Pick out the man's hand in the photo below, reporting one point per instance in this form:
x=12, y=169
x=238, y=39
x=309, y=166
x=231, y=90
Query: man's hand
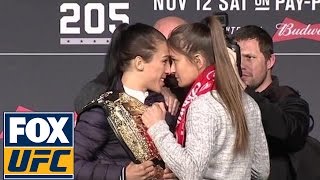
x=170, y=100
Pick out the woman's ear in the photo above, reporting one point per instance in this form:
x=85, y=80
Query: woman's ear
x=139, y=63
x=200, y=61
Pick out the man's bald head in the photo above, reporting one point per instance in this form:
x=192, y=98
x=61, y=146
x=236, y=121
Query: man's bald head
x=167, y=24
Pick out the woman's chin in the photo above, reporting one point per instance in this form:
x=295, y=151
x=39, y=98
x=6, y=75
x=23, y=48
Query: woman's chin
x=156, y=89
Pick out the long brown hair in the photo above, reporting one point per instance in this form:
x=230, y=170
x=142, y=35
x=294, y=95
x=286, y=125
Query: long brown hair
x=208, y=39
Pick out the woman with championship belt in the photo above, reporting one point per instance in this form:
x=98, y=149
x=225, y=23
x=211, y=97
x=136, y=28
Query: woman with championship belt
x=111, y=142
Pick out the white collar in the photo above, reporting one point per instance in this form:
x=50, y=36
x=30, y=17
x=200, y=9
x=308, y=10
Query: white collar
x=140, y=95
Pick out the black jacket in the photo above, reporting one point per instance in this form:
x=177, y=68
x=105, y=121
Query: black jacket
x=89, y=91
x=285, y=117
x=98, y=153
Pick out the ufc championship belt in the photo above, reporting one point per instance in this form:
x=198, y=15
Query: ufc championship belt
x=124, y=116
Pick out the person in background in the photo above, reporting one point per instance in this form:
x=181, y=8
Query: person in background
x=138, y=62
x=285, y=115
x=167, y=24
x=219, y=132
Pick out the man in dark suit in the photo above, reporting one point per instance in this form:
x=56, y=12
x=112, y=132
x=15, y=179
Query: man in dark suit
x=285, y=115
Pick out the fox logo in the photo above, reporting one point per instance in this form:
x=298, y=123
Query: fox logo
x=38, y=145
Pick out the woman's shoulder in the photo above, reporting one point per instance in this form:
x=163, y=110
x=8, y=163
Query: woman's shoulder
x=88, y=92
x=213, y=102
x=249, y=102
x=92, y=116
x=208, y=101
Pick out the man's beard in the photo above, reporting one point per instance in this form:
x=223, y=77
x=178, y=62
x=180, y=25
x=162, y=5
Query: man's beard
x=256, y=85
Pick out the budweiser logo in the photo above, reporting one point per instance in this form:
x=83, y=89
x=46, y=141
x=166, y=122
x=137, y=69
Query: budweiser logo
x=291, y=29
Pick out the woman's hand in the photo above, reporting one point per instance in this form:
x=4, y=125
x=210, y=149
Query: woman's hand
x=141, y=171
x=169, y=175
x=170, y=100
x=153, y=114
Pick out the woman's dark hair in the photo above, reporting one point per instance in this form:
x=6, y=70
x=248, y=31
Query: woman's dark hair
x=128, y=42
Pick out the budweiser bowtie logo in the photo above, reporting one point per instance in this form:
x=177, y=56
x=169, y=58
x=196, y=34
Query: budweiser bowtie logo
x=291, y=29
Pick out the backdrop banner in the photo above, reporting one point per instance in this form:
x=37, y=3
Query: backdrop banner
x=50, y=49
